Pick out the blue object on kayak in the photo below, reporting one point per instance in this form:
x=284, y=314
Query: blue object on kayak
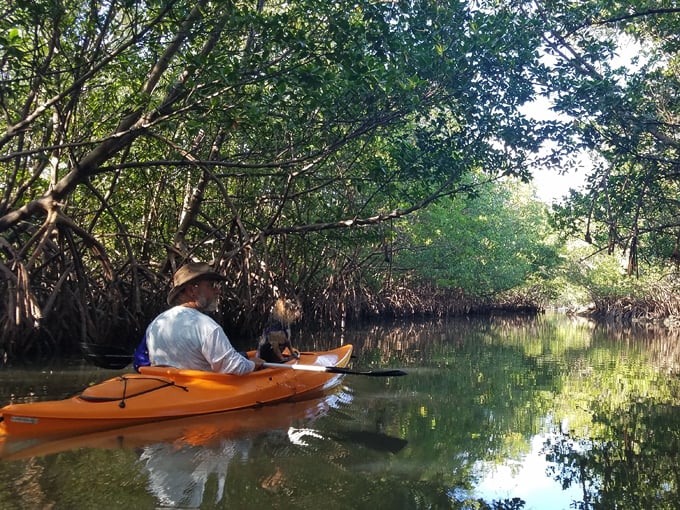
x=141, y=356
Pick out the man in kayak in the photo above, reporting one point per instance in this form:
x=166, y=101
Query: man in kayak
x=185, y=337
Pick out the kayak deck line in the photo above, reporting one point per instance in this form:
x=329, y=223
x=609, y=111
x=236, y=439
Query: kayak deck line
x=134, y=385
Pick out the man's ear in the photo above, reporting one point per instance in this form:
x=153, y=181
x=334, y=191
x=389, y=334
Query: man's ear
x=190, y=291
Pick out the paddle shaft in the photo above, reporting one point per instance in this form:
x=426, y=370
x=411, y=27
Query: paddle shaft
x=338, y=370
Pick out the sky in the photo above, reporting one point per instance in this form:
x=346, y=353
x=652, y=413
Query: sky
x=528, y=480
x=550, y=185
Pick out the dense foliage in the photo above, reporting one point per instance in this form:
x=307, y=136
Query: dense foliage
x=138, y=136
x=284, y=141
x=484, y=245
x=627, y=115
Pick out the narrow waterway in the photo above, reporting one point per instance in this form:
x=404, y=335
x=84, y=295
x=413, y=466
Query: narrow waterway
x=506, y=413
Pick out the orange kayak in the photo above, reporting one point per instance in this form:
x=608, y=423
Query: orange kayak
x=202, y=430
x=161, y=393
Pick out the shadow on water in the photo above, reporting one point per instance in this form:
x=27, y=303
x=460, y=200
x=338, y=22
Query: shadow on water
x=504, y=413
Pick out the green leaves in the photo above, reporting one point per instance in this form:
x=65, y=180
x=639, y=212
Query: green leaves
x=203, y=129
x=623, y=115
x=483, y=245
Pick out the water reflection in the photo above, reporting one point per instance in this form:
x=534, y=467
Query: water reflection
x=525, y=479
x=179, y=470
x=178, y=476
x=547, y=412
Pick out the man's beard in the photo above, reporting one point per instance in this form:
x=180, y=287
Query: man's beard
x=207, y=305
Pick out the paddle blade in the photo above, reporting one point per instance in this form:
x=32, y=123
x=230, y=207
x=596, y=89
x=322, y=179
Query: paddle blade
x=373, y=440
x=370, y=373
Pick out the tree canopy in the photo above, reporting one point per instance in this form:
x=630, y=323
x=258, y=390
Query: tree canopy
x=278, y=140
x=627, y=115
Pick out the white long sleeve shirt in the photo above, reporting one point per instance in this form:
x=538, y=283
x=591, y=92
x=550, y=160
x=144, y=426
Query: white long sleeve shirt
x=183, y=337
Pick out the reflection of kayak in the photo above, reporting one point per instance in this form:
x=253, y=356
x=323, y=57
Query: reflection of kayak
x=160, y=393
x=204, y=430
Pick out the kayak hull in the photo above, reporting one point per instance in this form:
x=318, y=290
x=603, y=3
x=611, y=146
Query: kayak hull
x=209, y=430
x=162, y=393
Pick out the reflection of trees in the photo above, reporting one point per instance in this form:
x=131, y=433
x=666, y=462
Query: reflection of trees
x=477, y=391
x=482, y=388
x=473, y=393
x=632, y=464
x=660, y=344
x=87, y=478
x=415, y=342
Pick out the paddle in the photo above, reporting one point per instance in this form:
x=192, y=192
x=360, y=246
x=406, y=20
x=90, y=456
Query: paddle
x=105, y=356
x=338, y=370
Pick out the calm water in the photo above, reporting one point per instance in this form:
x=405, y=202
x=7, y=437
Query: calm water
x=509, y=413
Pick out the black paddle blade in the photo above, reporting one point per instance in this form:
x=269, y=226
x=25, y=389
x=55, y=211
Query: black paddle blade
x=372, y=373
x=106, y=356
x=373, y=440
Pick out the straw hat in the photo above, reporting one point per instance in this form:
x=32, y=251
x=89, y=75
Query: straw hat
x=191, y=272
